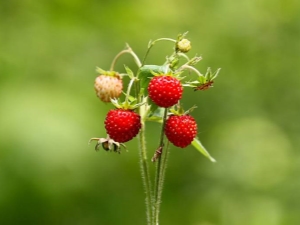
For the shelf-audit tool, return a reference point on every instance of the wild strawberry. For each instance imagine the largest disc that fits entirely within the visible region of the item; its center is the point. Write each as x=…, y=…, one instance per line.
x=181, y=130
x=108, y=86
x=165, y=91
x=122, y=125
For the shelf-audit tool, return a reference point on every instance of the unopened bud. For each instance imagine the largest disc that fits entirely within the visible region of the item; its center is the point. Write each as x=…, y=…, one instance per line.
x=184, y=45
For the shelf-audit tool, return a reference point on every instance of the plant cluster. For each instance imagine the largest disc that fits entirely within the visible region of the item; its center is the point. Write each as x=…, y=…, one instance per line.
x=154, y=93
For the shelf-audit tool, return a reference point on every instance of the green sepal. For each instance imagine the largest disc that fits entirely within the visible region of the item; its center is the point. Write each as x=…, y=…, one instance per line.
x=131, y=99
x=107, y=73
x=206, y=79
x=129, y=72
x=100, y=71
x=181, y=36
x=156, y=115
x=198, y=145
x=211, y=75
x=130, y=104
x=154, y=119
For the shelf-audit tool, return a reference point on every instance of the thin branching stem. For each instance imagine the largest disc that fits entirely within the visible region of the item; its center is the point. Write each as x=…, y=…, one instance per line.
x=159, y=174
x=128, y=50
x=152, y=43
x=191, y=68
x=145, y=173
x=146, y=179
x=129, y=89
x=164, y=159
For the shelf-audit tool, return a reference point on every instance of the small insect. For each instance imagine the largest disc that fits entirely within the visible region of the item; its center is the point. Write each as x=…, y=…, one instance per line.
x=204, y=86
x=157, y=154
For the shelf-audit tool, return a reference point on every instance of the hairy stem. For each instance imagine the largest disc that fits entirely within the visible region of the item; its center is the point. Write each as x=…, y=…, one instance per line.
x=125, y=51
x=146, y=179
x=162, y=172
x=152, y=43
x=145, y=173
x=128, y=90
x=191, y=68
x=159, y=176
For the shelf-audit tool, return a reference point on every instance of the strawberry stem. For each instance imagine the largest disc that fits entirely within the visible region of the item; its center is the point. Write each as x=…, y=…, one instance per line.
x=160, y=172
x=191, y=68
x=152, y=43
x=145, y=171
x=128, y=92
x=128, y=50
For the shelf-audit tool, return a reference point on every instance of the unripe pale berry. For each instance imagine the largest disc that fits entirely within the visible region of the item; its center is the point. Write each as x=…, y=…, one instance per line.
x=108, y=87
x=183, y=45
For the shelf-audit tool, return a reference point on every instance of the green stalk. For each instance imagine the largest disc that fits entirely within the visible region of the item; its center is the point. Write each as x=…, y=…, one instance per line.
x=160, y=172
x=145, y=173
x=152, y=43
x=125, y=51
x=143, y=159
x=128, y=91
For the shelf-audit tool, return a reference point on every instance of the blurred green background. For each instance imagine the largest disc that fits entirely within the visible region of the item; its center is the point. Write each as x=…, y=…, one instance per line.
x=249, y=121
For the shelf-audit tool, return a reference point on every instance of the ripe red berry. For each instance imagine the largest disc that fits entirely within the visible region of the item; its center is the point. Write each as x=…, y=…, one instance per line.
x=108, y=87
x=181, y=130
x=165, y=91
x=122, y=125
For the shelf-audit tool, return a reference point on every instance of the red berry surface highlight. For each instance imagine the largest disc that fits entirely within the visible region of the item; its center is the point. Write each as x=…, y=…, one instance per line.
x=165, y=91
x=122, y=125
x=181, y=130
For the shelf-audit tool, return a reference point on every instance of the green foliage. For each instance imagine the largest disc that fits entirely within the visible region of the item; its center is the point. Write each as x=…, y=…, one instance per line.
x=198, y=145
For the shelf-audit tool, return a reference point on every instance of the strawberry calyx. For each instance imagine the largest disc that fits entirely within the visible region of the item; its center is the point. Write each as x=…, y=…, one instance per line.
x=179, y=111
x=129, y=104
x=204, y=82
x=107, y=144
x=108, y=73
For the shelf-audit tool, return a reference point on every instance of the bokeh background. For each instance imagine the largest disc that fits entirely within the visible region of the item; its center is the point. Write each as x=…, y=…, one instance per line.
x=249, y=121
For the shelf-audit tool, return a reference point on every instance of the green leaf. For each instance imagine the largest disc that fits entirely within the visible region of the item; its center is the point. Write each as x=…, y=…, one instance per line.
x=155, y=114
x=129, y=72
x=131, y=99
x=100, y=71
x=146, y=70
x=198, y=145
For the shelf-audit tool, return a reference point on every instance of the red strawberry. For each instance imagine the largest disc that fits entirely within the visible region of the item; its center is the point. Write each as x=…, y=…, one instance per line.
x=122, y=125
x=181, y=130
x=165, y=91
x=108, y=86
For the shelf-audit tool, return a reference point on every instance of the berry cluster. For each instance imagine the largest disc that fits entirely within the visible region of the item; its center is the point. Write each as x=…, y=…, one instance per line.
x=156, y=87
x=166, y=91
x=153, y=94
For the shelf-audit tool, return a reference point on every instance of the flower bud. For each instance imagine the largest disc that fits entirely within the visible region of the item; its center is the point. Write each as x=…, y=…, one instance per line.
x=184, y=45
